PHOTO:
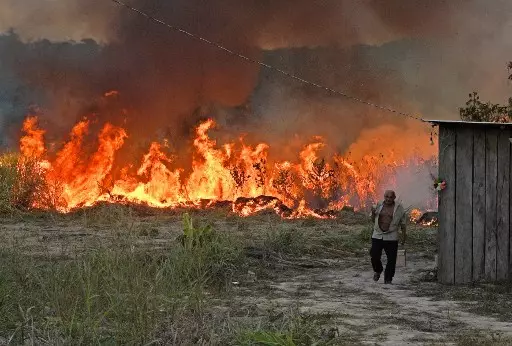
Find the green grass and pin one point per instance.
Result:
(289, 328)
(286, 241)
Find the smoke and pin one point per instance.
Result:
(70, 20)
(418, 56)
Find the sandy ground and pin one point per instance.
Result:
(372, 313)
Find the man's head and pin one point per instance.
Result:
(389, 197)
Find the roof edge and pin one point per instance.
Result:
(462, 122)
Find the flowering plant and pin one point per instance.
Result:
(439, 184)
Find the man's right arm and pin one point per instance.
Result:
(374, 212)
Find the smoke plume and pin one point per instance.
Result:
(421, 57)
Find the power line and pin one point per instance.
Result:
(272, 68)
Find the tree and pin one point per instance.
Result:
(477, 110)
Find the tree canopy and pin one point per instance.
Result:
(476, 110)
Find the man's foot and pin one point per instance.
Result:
(376, 276)
(387, 282)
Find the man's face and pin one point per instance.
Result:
(389, 198)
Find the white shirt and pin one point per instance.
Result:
(399, 219)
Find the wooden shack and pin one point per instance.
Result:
(475, 211)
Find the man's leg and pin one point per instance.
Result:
(391, 249)
(376, 254)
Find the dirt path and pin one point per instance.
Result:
(370, 313)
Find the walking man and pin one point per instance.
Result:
(388, 217)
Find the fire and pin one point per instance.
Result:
(32, 144)
(242, 175)
(428, 218)
(415, 215)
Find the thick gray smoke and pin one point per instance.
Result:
(417, 56)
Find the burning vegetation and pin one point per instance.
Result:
(83, 170)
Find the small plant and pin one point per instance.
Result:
(204, 259)
(286, 329)
(194, 236)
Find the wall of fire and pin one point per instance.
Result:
(475, 211)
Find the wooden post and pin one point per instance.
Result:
(446, 233)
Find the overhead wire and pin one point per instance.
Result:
(265, 65)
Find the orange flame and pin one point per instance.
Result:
(238, 173)
(32, 144)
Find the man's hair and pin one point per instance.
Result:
(391, 192)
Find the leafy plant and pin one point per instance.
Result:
(194, 236)
(286, 329)
(477, 110)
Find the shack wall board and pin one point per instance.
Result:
(475, 210)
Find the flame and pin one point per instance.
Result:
(243, 175)
(419, 217)
(415, 215)
(32, 144)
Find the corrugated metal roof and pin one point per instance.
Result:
(461, 122)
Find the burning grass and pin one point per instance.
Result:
(83, 171)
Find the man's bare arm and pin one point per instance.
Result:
(374, 212)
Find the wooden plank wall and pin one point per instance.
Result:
(491, 175)
(475, 210)
(446, 253)
(478, 205)
(503, 207)
(463, 205)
